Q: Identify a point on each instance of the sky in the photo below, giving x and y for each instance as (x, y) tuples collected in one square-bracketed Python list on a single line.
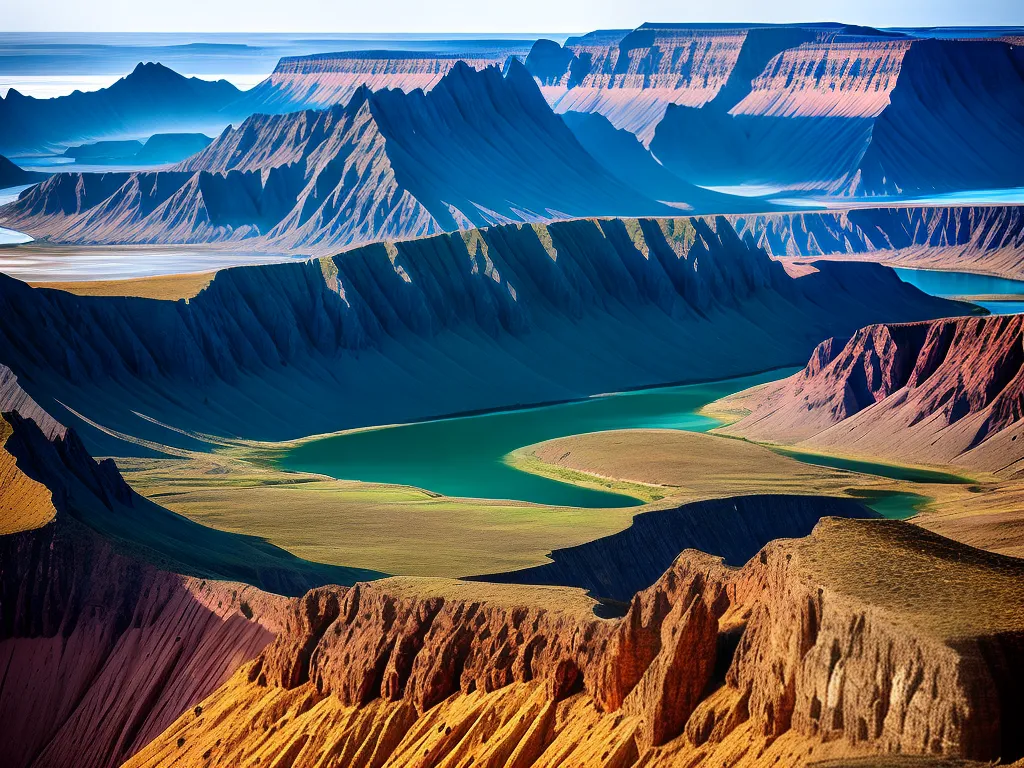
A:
[(430, 16)]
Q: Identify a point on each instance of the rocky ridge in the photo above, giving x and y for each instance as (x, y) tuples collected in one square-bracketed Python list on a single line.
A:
[(940, 392), (497, 317), (479, 149), (784, 659)]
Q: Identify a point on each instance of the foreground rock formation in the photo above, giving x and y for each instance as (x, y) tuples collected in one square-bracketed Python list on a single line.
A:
[(113, 656), (794, 658), (397, 332), (942, 392)]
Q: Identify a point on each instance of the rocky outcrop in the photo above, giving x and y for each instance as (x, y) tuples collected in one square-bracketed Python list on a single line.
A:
[(946, 391), (397, 332), (478, 149), (735, 529), (796, 657), (151, 99)]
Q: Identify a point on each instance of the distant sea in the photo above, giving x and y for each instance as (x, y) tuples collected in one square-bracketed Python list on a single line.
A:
[(47, 64)]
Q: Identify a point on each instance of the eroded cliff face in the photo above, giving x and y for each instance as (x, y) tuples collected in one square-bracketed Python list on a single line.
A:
[(845, 113), (503, 316), (946, 391), (795, 656), (324, 80), (984, 238)]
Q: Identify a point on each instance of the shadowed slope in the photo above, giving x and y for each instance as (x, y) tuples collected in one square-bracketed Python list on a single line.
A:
[(734, 529), (399, 332)]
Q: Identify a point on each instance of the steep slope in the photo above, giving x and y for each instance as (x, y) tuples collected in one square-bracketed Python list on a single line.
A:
[(954, 121), (859, 114), (12, 175), (151, 99), (986, 239), (946, 391), (792, 659), (621, 152), (478, 149), (102, 645), (398, 332)]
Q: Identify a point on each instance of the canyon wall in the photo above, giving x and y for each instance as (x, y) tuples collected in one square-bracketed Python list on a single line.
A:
[(392, 333), (940, 392), (987, 239), (855, 114), (792, 659)]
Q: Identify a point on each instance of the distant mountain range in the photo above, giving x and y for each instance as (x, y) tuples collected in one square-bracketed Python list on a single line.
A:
[(152, 99), (478, 149), (406, 144)]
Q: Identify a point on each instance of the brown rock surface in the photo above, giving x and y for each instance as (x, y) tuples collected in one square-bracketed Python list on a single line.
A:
[(831, 661), (938, 392)]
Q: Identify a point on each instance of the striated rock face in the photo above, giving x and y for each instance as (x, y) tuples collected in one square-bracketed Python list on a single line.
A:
[(946, 391), (845, 114), (793, 658), (151, 99), (386, 165), (323, 80), (102, 652), (497, 317), (986, 238)]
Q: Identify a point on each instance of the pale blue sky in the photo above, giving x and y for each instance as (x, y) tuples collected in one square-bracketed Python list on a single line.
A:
[(478, 15)]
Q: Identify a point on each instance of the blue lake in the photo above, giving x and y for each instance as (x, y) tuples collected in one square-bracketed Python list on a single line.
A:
[(940, 283)]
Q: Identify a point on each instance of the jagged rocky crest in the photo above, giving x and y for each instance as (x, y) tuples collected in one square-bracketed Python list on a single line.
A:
[(478, 149), (785, 659)]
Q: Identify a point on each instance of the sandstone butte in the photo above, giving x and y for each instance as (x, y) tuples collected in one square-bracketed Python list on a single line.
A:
[(116, 654), (939, 392)]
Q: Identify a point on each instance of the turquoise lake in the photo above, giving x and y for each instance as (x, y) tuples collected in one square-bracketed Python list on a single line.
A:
[(966, 284), (464, 456)]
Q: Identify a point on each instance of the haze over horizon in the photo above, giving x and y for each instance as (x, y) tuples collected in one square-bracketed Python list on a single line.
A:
[(468, 16)]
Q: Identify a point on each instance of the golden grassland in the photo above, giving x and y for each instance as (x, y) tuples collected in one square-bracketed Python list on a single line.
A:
[(165, 287), (394, 529)]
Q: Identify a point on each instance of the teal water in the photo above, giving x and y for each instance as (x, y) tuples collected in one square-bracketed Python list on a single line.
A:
[(1002, 307), (464, 456), (910, 474), (939, 283)]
